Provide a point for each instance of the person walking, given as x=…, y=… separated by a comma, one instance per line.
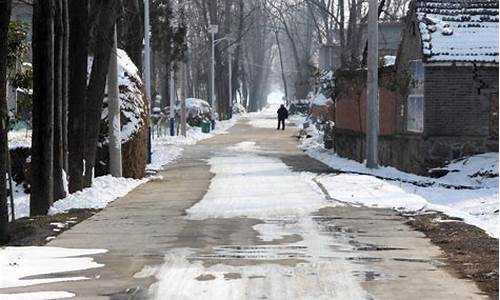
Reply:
x=282, y=115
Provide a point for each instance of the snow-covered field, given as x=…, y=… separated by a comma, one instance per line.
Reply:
x=476, y=204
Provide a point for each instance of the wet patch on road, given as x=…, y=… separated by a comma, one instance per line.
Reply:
x=205, y=277
x=232, y=276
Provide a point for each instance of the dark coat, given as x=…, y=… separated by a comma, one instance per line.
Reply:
x=282, y=113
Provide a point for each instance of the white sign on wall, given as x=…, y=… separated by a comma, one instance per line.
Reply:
x=415, y=101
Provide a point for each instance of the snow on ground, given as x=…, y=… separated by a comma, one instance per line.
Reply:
x=389, y=60
x=475, y=207
x=478, y=170
x=465, y=172
x=477, y=204
x=321, y=100
x=18, y=263
x=267, y=118
x=37, y=296
x=106, y=189
x=322, y=280
x=20, y=138
x=168, y=148
x=263, y=123
x=255, y=186
x=247, y=184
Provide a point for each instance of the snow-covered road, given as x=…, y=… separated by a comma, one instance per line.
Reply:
x=249, y=184
x=303, y=244
x=247, y=215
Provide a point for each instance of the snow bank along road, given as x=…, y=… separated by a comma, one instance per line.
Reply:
x=244, y=216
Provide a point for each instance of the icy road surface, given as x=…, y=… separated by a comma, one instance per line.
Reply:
x=249, y=184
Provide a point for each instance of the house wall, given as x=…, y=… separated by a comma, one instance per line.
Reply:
x=411, y=44
x=453, y=107
x=350, y=105
x=458, y=100
x=410, y=49
x=494, y=116
x=411, y=152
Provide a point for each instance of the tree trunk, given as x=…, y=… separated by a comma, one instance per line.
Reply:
x=43, y=108
x=59, y=192
x=131, y=30
x=77, y=87
x=65, y=76
x=283, y=77
x=5, y=7
x=237, y=54
x=343, y=59
x=106, y=18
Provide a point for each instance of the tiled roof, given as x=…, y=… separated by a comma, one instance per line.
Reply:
x=459, y=30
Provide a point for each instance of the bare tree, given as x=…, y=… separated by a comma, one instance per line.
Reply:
x=130, y=29
x=42, y=146
x=106, y=13
x=5, y=8
x=77, y=87
x=65, y=86
x=59, y=109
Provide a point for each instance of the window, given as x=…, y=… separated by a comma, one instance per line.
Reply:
x=415, y=101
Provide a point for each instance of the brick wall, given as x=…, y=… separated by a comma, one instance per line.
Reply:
x=460, y=118
x=350, y=106
x=412, y=153
x=494, y=116
x=457, y=100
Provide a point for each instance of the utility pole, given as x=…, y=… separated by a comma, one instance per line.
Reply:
x=114, y=126
x=147, y=74
x=230, y=74
x=213, y=29
x=372, y=111
x=283, y=77
x=183, y=97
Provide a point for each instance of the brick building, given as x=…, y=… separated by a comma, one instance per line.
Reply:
x=440, y=100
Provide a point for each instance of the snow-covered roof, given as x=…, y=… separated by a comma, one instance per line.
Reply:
x=459, y=30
